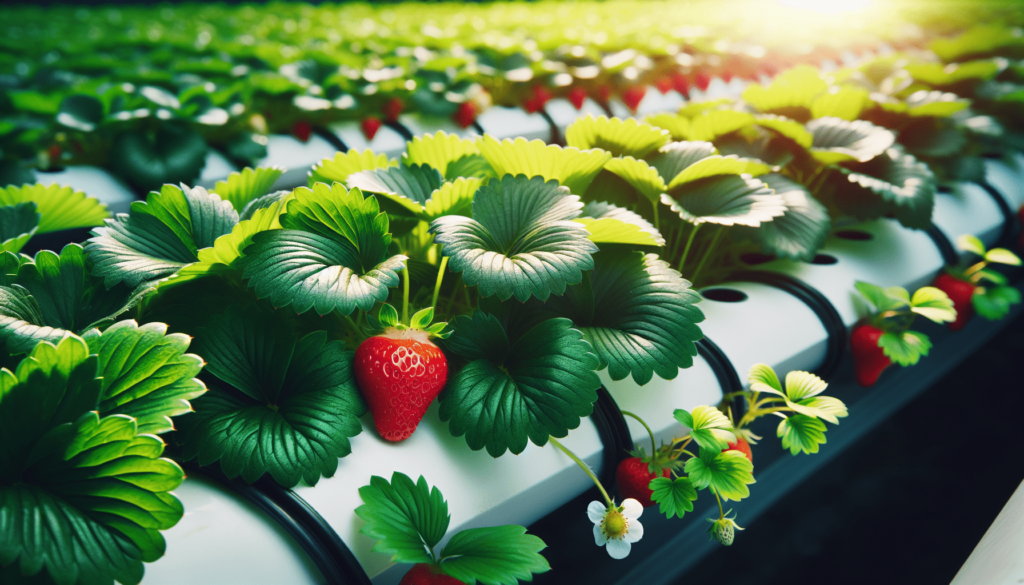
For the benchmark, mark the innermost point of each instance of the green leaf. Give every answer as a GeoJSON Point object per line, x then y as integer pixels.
{"type": "Point", "coordinates": [622, 138]}
{"type": "Point", "coordinates": [610, 224]}
{"type": "Point", "coordinates": [677, 125]}
{"type": "Point", "coordinates": [942, 75]}
{"type": "Point", "coordinates": [884, 299]}
{"type": "Point", "coordinates": [542, 386]}
{"type": "Point", "coordinates": [905, 185]}
{"type": "Point", "coordinates": [802, 395]}
{"type": "Point", "coordinates": [718, 165]}
{"type": "Point", "coordinates": [837, 140]}
{"type": "Point", "coordinates": [708, 426]}
{"type": "Point", "coordinates": [498, 555]}
{"type": "Point", "coordinates": [344, 164]}
{"type": "Point", "coordinates": [791, 93]}
{"type": "Point", "coordinates": [452, 198]}
{"type": "Point", "coordinates": [726, 472]}
{"type": "Point", "coordinates": [762, 378]}
{"type": "Point", "coordinates": [422, 318]}
{"type": "Point", "coordinates": [845, 103]}
{"type": "Point", "coordinates": [571, 167]}
{"type": "Point", "coordinates": [800, 432]}
{"type": "Point", "coordinates": [408, 186]}
{"type": "Point", "coordinates": [801, 231]}
{"type": "Point", "coordinates": [674, 497]}
{"type": "Point", "coordinates": [791, 129]}
{"type": "Point", "coordinates": [17, 224]}
{"type": "Point", "coordinates": [407, 519]}
{"type": "Point", "coordinates": [674, 158]}
{"type": "Point", "coordinates": [712, 124]}
{"type": "Point", "coordinates": [438, 151]}
{"type": "Point", "coordinates": [279, 404]}
{"type": "Point", "coordinates": [935, 103]}
{"type": "Point", "coordinates": [146, 374]}
{"type": "Point", "coordinates": [332, 254]}
{"type": "Point", "coordinates": [1002, 256]}
{"type": "Point", "coordinates": [905, 348]}
{"type": "Point", "coordinates": [637, 313]}
{"type": "Point", "coordinates": [933, 304]}
{"type": "Point", "coordinates": [641, 176]}
{"type": "Point", "coordinates": [970, 243]}
{"type": "Point", "coordinates": [995, 302]}
{"type": "Point", "coordinates": [242, 187]}
{"type": "Point", "coordinates": [987, 274]}
{"type": "Point", "coordinates": [520, 242]}
{"type": "Point", "coordinates": [61, 207]}
{"type": "Point", "coordinates": [725, 200]}
{"type": "Point", "coordinates": [173, 154]}
{"type": "Point", "coordinates": [80, 112]}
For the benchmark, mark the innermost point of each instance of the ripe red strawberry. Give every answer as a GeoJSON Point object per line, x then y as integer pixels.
{"type": "Point", "coordinates": [577, 96]}
{"type": "Point", "coordinates": [664, 85]}
{"type": "Point", "coordinates": [680, 84]}
{"type": "Point", "coordinates": [532, 105]}
{"type": "Point", "coordinates": [868, 358]}
{"type": "Point", "coordinates": [604, 93]}
{"type": "Point", "coordinates": [370, 126]}
{"type": "Point", "coordinates": [392, 109]}
{"type": "Point", "coordinates": [465, 115]}
{"type": "Point", "coordinates": [960, 292]}
{"type": "Point", "coordinates": [742, 446]}
{"type": "Point", "coordinates": [302, 130]}
{"type": "Point", "coordinates": [54, 151]}
{"type": "Point", "coordinates": [423, 574]}
{"type": "Point", "coordinates": [632, 96]}
{"type": "Point", "coordinates": [702, 80]}
{"type": "Point", "coordinates": [399, 372]}
{"type": "Point", "coordinates": [633, 476]}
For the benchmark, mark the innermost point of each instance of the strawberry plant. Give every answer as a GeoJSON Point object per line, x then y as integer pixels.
{"type": "Point", "coordinates": [410, 519]}
{"type": "Point", "coordinates": [977, 287]}
{"type": "Point", "coordinates": [884, 335]}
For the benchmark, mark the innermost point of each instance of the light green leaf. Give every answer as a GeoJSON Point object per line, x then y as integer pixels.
{"type": "Point", "coordinates": [674, 158]}
{"type": "Point", "coordinates": [941, 75]}
{"type": "Point", "coordinates": [674, 497]}
{"type": "Point", "coordinates": [678, 126]}
{"type": "Point", "coordinates": [571, 167]}
{"type": "Point", "coordinates": [845, 103]}
{"type": "Point", "coordinates": [422, 318]}
{"type": "Point", "coordinates": [599, 210]}
{"type": "Point", "coordinates": [388, 316]}
{"type": "Point", "coordinates": [995, 302]}
{"type": "Point", "coordinates": [970, 243]}
{"type": "Point", "coordinates": [837, 140]}
{"type": "Point", "coordinates": [791, 129]}
{"type": "Point", "coordinates": [408, 186]}
{"type": "Point", "coordinates": [719, 165]}
{"type": "Point", "coordinates": [725, 200]}
{"type": "Point", "coordinates": [242, 187]}
{"type": "Point", "coordinates": [726, 472]}
{"type": "Point", "coordinates": [791, 93]}
{"type": "Point", "coordinates": [520, 242]}
{"type": "Point", "coordinates": [762, 378]}
{"type": "Point", "coordinates": [714, 123]}
{"type": "Point", "coordinates": [708, 426]}
{"type": "Point", "coordinates": [641, 176]}
{"type": "Point", "coordinates": [1002, 256]}
{"type": "Point", "coordinates": [802, 390]}
{"type": "Point", "coordinates": [438, 150]}
{"type": "Point", "coordinates": [407, 519]}
{"type": "Point", "coordinates": [883, 299]}
{"type": "Point", "coordinates": [800, 432]}
{"type": "Point", "coordinates": [905, 348]}
{"type": "Point", "coordinates": [61, 208]}
{"type": "Point", "coordinates": [541, 386]}
{"type": "Point", "coordinates": [338, 169]}
{"type": "Point", "coordinates": [622, 138]}
{"type": "Point", "coordinates": [935, 103]}
{"type": "Point", "coordinates": [498, 555]}
{"type": "Point", "coordinates": [17, 224]}
{"type": "Point", "coordinates": [933, 304]}
{"type": "Point", "coordinates": [452, 198]}
{"type": "Point", "coordinates": [800, 232]}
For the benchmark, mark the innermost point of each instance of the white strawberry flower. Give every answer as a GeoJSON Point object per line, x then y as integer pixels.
{"type": "Point", "coordinates": [616, 526]}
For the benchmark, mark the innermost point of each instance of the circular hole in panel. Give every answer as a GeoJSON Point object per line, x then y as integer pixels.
{"type": "Point", "coordinates": [755, 258]}
{"type": "Point", "coordinates": [724, 295]}
{"type": "Point", "coordinates": [856, 235]}
{"type": "Point", "coordinates": [824, 259]}
{"type": "Point", "coordinates": [993, 155]}
{"type": "Point", "coordinates": [945, 189]}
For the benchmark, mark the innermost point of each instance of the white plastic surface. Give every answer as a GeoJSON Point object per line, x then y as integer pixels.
{"type": "Point", "coordinates": [1005, 175]}
{"type": "Point", "coordinates": [385, 141]}
{"type": "Point", "coordinates": [967, 209]}
{"type": "Point", "coordinates": [224, 540]}
{"type": "Point", "coordinates": [217, 168]}
{"type": "Point", "coordinates": [419, 124]}
{"type": "Point", "coordinates": [296, 157]}
{"type": "Point", "coordinates": [655, 102]}
{"type": "Point", "coordinates": [95, 182]}
{"type": "Point", "coordinates": [564, 113]}
{"type": "Point", "coordinates": [514, 122]}
{"type": "Point", "coordinates": [619, 109]}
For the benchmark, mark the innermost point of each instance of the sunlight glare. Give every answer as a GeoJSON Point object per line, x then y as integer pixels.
{"type": "Point", "coordinates": [827, 6]}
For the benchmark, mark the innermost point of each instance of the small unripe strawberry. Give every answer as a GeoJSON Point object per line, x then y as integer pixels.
{"type": "Point", "coordinates": [868, 358]}
{"type": "Point", "coordinates": [960, 292]}
{"type": "Point", "coordinates": [423, 574]}
{"type": "Point", "coordinates": [742, 446]}
{"type": "Point", "coordinates": [724, 530]}
{"type": "Point", "coordinates": [633, 476]}
{"type": "Point", "coordinates": [577, 96]}
{"type": "Point", "coordinates": [370, 126]}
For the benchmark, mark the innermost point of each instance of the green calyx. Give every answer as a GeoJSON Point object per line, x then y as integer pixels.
{"type": "Point", "coordinates": [387, 319]}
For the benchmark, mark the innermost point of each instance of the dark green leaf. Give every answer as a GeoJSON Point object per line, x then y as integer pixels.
{"type": "Point", "coordinates": [725, 200]}
{"type": "Point", "coordinates": [80, 112]}
{"type": "Point", "coordinates": [674, 497]}
{"type": "Point", "coordinates": [837, 140]}
{"type": "Point", "coordinates": [905, 348]}
{"type": "Point", "coordinates": [995, 302]}
{"type": "Point", "coordinates": [800, 432]}
{"type": "Point", "coordinates": [905, 185]}
{"type": "Point", "coordinates": [497, 555]}
{"type": "Point", "coordinates": [174, 154]}
{"type": "Point", "coordinates": [407, 518]}
{"type": "Point", "coordinates": [676, 157]}
{"type": "Point", "coordinates": [17, 224]}
{"type": "Point", "coordinates": [799, 232]}
{"type": "Point", "coordinates": [409, 186]}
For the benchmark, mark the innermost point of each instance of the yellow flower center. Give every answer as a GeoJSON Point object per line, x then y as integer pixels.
{"type": "Point", "coordinates": [615, 524]}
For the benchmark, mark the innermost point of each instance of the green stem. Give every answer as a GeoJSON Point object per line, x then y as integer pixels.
{"type": "Point", "coordinates": [654, 447]}
{"type": "Point", "coordinates": [721, 513]}
{"type": "Point", "coordinates": [585, 468]}
{"type": "Point", "coordinates": [707, 254]}
{"type": "Point", "coordinates": [440, 278]}
{"type": "Point", "coordinates": [405, 296]}
{"type": "Point", "coordinates": [686, 250]}
{"type": "Point", "coordinates": [657, 224]}
{"type": "Point", "coordinates": [754, 414]}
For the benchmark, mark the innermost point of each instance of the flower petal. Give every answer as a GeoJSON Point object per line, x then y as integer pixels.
{"type": "Point", "coordinates": [632, 509]}
{"type": "Point", "coordinates": [618, 548]}
{"type": "Point", "coordinates": [596, 510]}
{"type": "Point", "coordinates": [635, 532]}
{"type": "Point", "coordinates": [599, 537]}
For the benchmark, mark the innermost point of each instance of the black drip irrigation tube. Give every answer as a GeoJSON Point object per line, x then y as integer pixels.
{"type": "Point", "coordinates": [614, 434]}
{"type": "Point", "coordinates": [332, 138]}
{"type": "Point", "coordinates": [325, 548]}
{"type": "Point", "coordinates": [725, 373]}
{"type": "Point", "coordinates": [400, 128]}
{"type": "Point", "coordinates": [828, 315]}
{"type": "Point", "coordinates": [1009, 218]}
{"type": "Point", "coordinates": [556, 136]}
{"type": "Point", "coordinates": [945, 246]}
{"type": "Point", "coordinates": [478, 128]}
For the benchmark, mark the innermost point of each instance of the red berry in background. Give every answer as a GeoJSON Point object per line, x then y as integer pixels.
{"type": "Point", "coordinates": [392, 109]}
{"type": "Point", "coordinates": [577, 96]}
{"type": "Point", "coordinates": [702, 80]}
{"type": "Point", "coordinates": [423, 574]}
{"type": "Point", "coordinates": [727, 76]}
{"type": "Point", "coordinates": [604, 93]}
{"type": "Point", "coordinates": [465, 115]}
{"type": "Point", "coordinates": [370, 126]}
{"type": "Point", "coordinates": [960, 292]}
{"type": "Point", "coordinates": [632, 477]}
{"type": "Point", "coordinates": [680, 84]}
{"type": "Point", "coordinates": [532, 105]}
{"type": "Point", "coordinates": [302, 130]}
{"type": "Point", "coordinates": [742, 446]}
{"type": "Point", "coordinates": [400, 373]}
{"type": "Point", "coordinates": [664, 85]}
{"type": "Point", "coordinates": [868, 358]}
{"type": "Point", "coordinates": [632, 96]}
{"type": "Point", "coordinates": [54, 153]}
